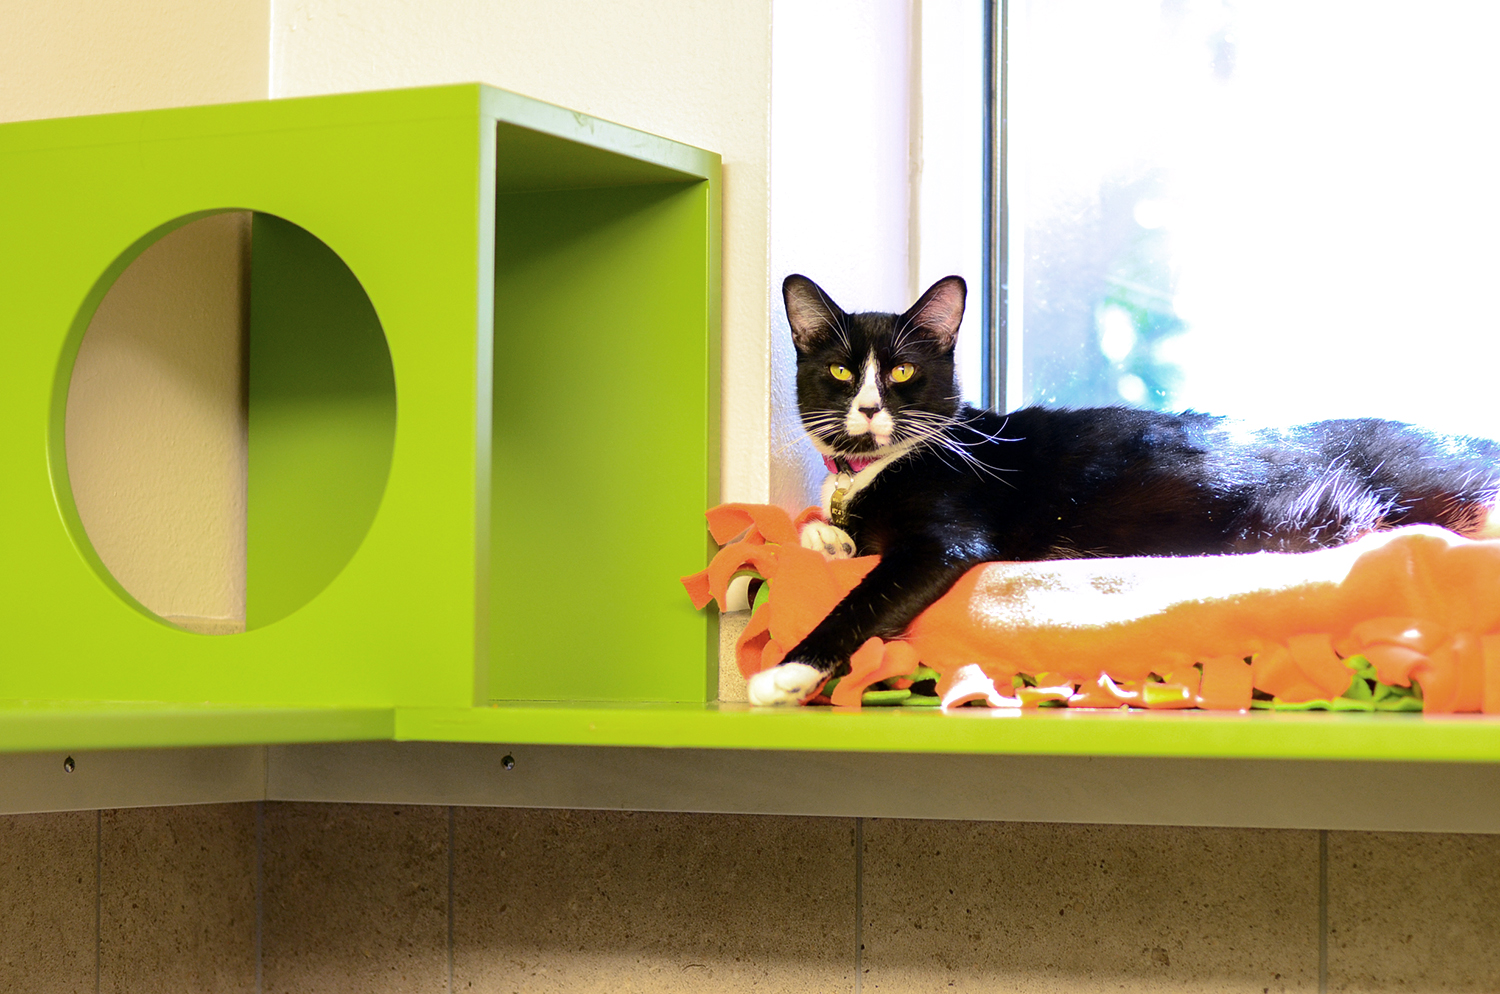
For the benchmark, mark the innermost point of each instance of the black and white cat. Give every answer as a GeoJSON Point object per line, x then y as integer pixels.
{"type": "Point", "coordinates": [934, 486]}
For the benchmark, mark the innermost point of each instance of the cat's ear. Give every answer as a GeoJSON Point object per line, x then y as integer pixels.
{"type": "Point", "coordinates": [940, 310]}
{"type": "Point", "coordinates": [811, 313]}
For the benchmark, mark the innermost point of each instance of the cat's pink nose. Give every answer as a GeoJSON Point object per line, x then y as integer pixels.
{"type": "Point", "coordinates": [869, 412]}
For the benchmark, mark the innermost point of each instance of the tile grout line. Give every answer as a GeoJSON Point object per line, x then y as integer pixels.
{"type": "Point", "coordinates": [450, 899]}
{"type": "Point", "coordinates": [260, 895]}
{"type": "Point", "coordinates": [1323, 911]}
{"type": "Point", "coordinates": [858, 904]}
{"type": "Point", "coordinates": [98, 899]}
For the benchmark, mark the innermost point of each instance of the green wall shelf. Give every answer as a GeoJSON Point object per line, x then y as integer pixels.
{"type": "Point", "coordinates": [67, 726]}
{"type": "Point", "coordinates": [440, 553]}
{"type": "Point", "coordinates": [1206, 734]}
{"type": "Point", "coordinates": [32, 726]}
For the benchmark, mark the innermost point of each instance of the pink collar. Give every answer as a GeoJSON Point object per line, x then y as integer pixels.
{"type": "Point", "coordinates": [847, 464]}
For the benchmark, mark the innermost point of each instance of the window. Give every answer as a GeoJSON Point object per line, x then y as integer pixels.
{"type": "Point", "coordinates": [1280, 211]}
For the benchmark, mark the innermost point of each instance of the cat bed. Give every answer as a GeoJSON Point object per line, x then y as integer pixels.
{"type": "Point", "coordinates": [1406, 619]}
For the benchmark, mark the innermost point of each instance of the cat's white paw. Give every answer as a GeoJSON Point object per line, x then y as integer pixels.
{"type": "Point", "coordinates": [832, 542]}
{"type": "Point", "coordinates": [788, 683]}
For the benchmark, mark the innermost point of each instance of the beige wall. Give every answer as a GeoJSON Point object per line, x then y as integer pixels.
{"type": "Point", "coordinates": [156, 425]}
{"type": "Point", "coordinates": [59, 58]}
{"type": "Point", "coordinates": [308, 898]}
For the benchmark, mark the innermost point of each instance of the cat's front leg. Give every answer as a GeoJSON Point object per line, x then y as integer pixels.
{"type": "Point", "coordinates": [900, 587]}
{"type": "Point", "coordinates": [790, 682]}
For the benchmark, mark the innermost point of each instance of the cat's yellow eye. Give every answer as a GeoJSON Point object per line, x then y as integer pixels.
{"type": "Point", "coordinates": [903, 372]}
{"type": "Point", "coordinates": [841, 372]}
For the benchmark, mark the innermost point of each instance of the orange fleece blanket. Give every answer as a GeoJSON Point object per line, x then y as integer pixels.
{"type": "Point", "coordinates": [1421, 604]}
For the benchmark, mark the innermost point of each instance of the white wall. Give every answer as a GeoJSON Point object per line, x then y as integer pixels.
{"type": "Point", "coordinates": [841, 169]}
{"type": "Point", "coordinates": [697, 71]}
{"type": "Point", "coordinates": [947, 211]}
{"type": "Point", "coordinates": [876, 175]}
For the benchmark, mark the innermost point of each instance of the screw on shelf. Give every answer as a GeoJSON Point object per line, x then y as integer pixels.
{"type": "Point", "coordinates": [68, 765]}
{"type": "Point", "coordinates": [509, 762]}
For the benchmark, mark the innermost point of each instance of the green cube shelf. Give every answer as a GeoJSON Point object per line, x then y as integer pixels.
{"type": "Point", "coordinates": [493, 506]}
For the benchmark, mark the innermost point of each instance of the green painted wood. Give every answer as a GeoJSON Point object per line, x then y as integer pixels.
{"type": "Point", "coordinates": [1257, 735]}
{"type": "Point", "coordinates": [391, 184]}
{"type": "Point", "coordinates": [537, 161]}
{"type": "Point", "coordinates": [629, 147]}
{"type": "Point", "coordinates": [600, 400]}
{"type": "Point", "coordinates": [401, 186]}
{"type": "Point", "coordinates": [37, 725]}
{"type": "Point", "coordinates": [30, 726]}
{"type": "Point", "coordinates": [322, 418]}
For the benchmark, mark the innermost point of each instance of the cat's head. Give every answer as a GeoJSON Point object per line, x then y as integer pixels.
{"type": "Point", "coordinates": [868, 382]}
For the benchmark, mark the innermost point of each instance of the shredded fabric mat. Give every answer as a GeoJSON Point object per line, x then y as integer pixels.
{"type": "Point", "coordinates": [1401, 620]}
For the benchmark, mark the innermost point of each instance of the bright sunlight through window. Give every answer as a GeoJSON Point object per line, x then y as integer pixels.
{"type": "Point", "coordinates": [1280, 210]}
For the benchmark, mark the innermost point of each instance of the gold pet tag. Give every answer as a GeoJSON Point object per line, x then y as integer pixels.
{"type": "Point", "coordinates": [836, 502]}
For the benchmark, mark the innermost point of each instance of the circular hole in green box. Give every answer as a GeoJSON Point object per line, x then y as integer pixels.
{"type": "Point", "coordinates": [228, 421]}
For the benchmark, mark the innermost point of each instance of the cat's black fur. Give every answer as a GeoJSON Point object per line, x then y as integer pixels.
{"type": "Point", "coordinates": [979, 486]}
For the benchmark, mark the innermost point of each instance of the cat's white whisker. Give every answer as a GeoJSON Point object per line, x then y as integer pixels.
{"type": "Point", "coordinates": [933, 430]}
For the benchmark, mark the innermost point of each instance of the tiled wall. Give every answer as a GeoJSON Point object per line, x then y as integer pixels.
{"type": "Point", "coordinates": [281, 897]}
